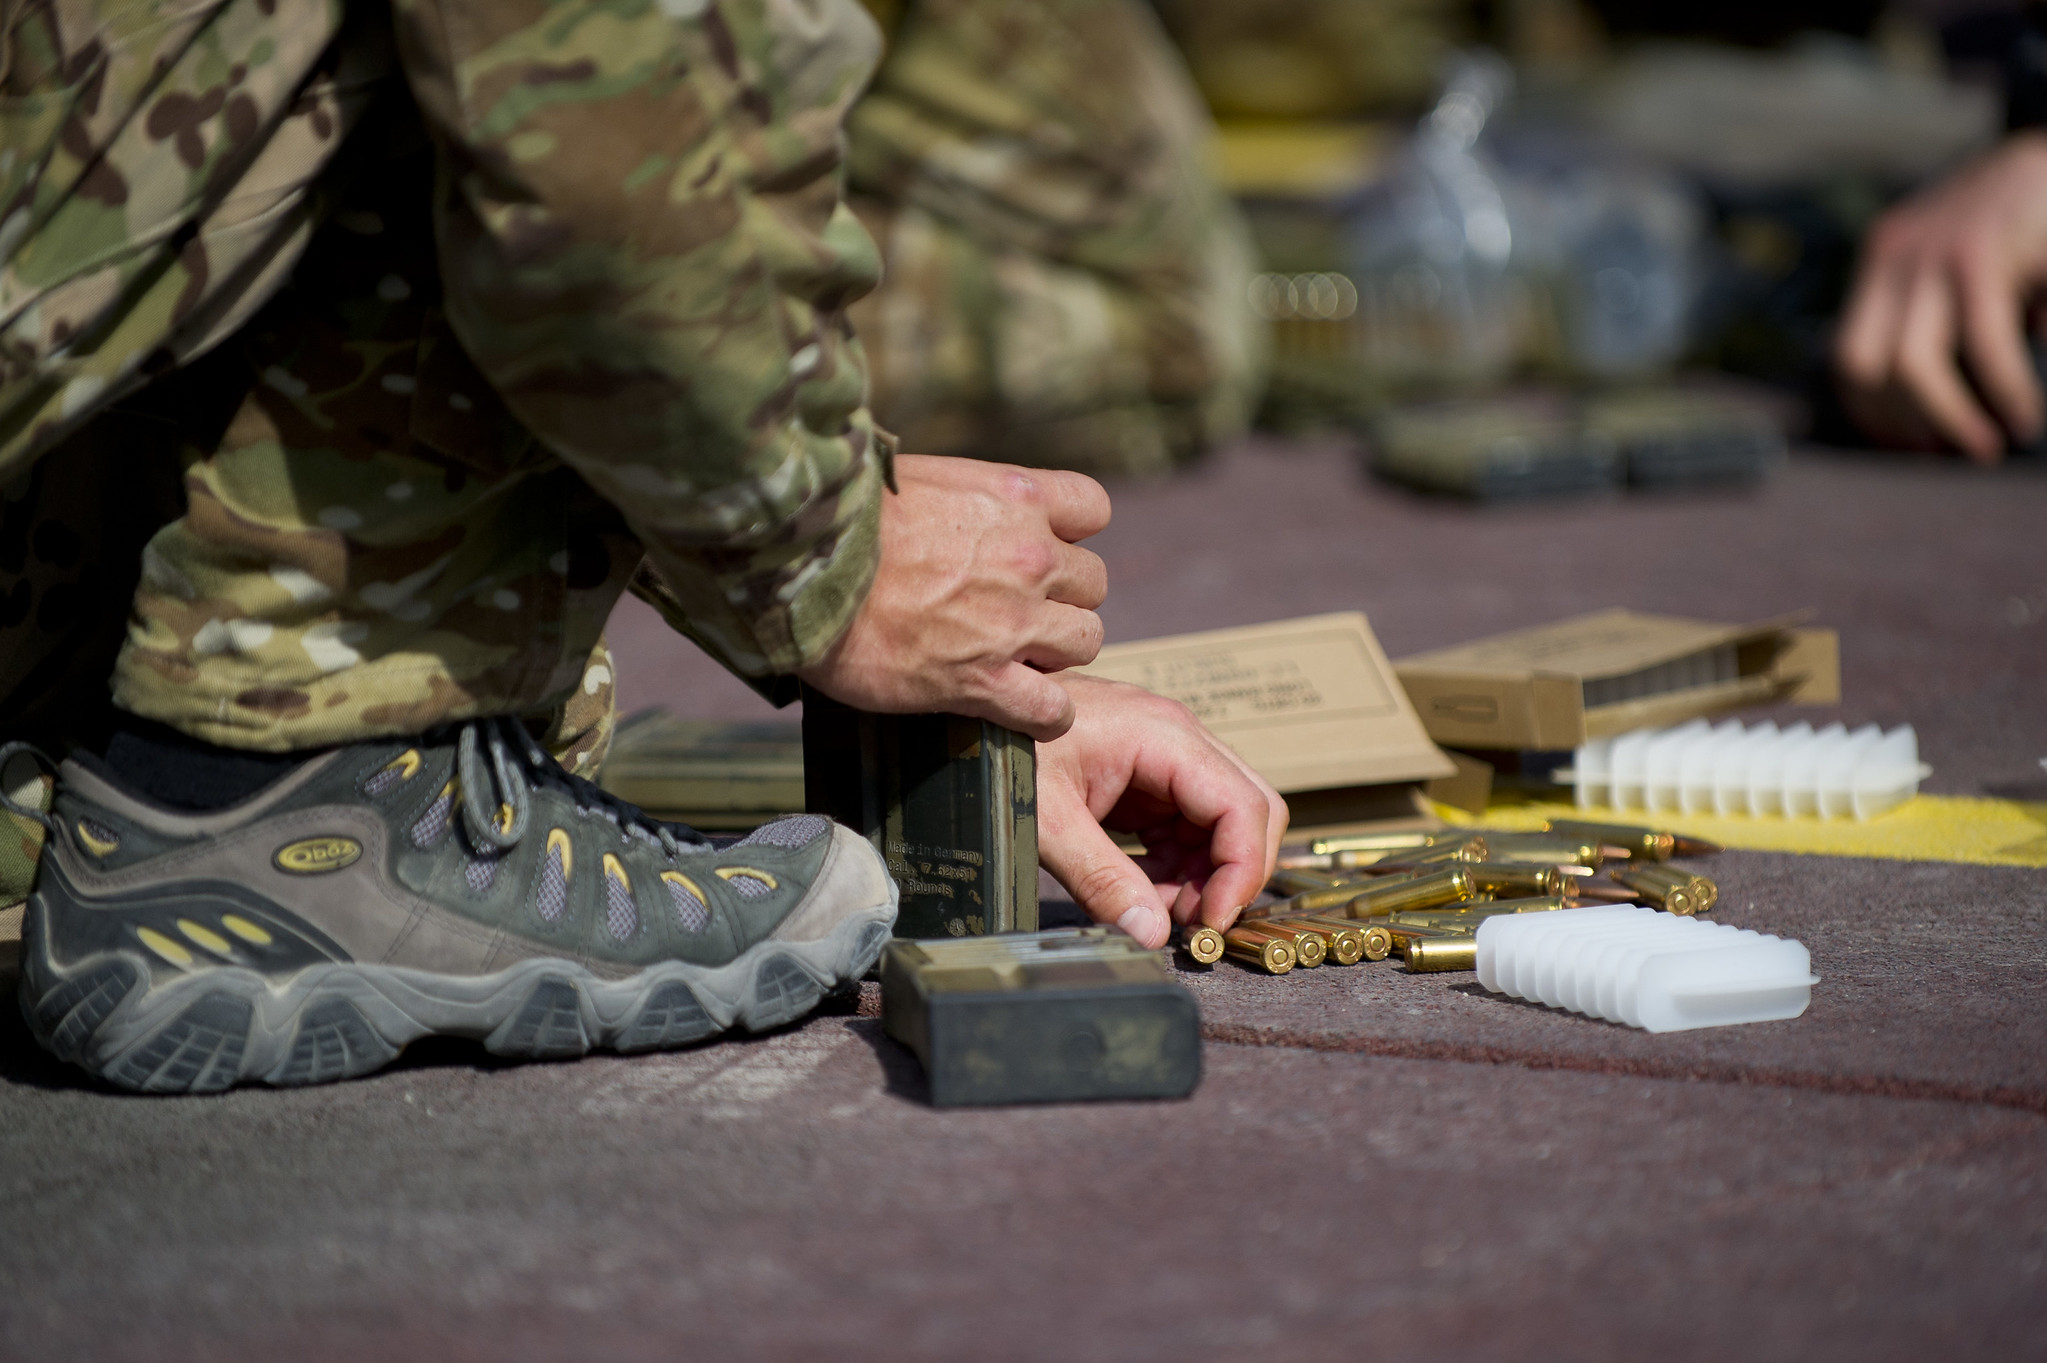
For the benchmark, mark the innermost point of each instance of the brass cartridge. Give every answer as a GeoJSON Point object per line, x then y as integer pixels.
{"type": "Point", "coordinates": [1402, 932]}
{"type": "Point", "coordinates": [1204, 944]}
{"type": "Point", "coordinates": [1375, 842]}
{"type": "Point", "coordinates": [1548, 848]}
{"type": "Point", "coordinates": [1435, 858]}
{"type": "Point", "coordinates": [1519, 878]}
{"type": "Point", "coordinates": [1704, 892]}
{"type": "Point", "coordinates": [1293, 881]}
{"type": "Point", "coordinates": [1310, 902]}
{"type": "Point", "coordinates": [1427, 955]}
{"type": "Point", "coordinates": [1422, 892]}
{"type": "Point", "coordinates": [1310, 948]}
{"type": "Point", "coordinates": [1601, 892]}
{"type": "Point", "coordinates": [1672, 897]}
{"type": "Point", "coordinates": [1346, 945]}
{"type": "Point", "coordinates": [1643, 844]}
{"type": "Point", "coordinates": [1378, 942]}
{"type": "Point", "coordinates": [1471, 913]}
{"type": "Point", "coordinates": [1274, 954]}
{"type": "Point", "coordinates": [1700, 887]}
{"type": "Point", "coordinates": [1337, 864]}
{"type": "Point", "coordinates": [1660, 874]}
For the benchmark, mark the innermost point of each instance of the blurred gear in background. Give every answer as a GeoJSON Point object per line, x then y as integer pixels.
{"type": "Point", "coordinates": [1608, 196]}
{"type": "Point", "coordinates": [1065, 282]}
{"type": "Point", "coordinates": [1292, 59]}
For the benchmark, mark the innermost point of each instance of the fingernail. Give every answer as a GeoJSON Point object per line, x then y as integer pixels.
{"type": "Point", "coordinates": [1143, 922]}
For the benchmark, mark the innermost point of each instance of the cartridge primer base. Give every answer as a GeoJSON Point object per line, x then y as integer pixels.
{"type": "Point", "coordinates": [1058, 1016]}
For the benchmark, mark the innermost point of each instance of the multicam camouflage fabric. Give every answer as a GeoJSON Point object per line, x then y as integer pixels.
{"type": "Point", "coordinates": [156, 167]}
{"type": "Point", "coordinates": [601, 262]}
{"type": "Point", "coordinates": [579, 294]}
{"type": "Point", "coordinates": [1066, 285]}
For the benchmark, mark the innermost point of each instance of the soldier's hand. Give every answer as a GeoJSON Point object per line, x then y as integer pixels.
{"type": "Point", "coordinates": [980, 592]}
{"type": "Point", "coordinates": [1949, 273]}
{"type": "Point", "coordinates": [1141, 764]}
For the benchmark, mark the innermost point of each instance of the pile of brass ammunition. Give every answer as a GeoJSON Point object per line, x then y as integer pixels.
{"type": "Point", "coordinates": [1344, 900]}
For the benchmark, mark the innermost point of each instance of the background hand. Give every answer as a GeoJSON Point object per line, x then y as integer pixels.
{"type": "Point", "coordinates": [1138, 763]}
{"type": "Point", "coordinates": [1950, 272]}
{"type": "Point", "coordinates": [980, 592]}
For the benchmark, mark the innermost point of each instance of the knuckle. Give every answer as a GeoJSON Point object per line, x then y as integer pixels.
{"type": "Point", "coordinates": [1032, 559]}
{"type": "Point", "coordinates": [1169, 711]}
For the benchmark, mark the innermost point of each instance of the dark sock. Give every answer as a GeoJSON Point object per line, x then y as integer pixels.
{"type": "Point", "coordinates": [182, 772]}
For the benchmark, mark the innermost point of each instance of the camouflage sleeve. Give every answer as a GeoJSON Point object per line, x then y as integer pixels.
{"type": "Point", "coordinates": [644, 247]}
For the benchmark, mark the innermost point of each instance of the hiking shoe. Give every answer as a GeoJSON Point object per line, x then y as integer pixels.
{"type": "Point", "coordinates": [388, 891]}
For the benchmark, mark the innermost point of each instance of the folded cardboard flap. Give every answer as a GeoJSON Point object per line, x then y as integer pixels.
{"type": "Point", "coordinates": [1553, 686]}
{"type": "Point", "coordinates": [1311, 704]}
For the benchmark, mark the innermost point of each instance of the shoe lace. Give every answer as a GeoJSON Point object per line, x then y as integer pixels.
{"type": "Point", "coordinates": [498, 756]}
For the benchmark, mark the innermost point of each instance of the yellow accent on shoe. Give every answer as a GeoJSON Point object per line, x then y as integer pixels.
{"type": "Point", "coordinates": [163, 946]}
{"type": "Point", "coordinates": [504, 819]}
{"type": "Point", "coordinates": [613, 868]}
{"type": "Point", "coordinates": [406, 764]}
{"type": "Point", "coordinates": [558, 839]}
{"type": "Point", "coordinates": [99, 847]}
{"type": "Point", "coordinates": [205, 937]}
{"type": "Point", "coordinates": [687, 884]}
{"type": "Point", "coordinates": [244, 929]}
{"type": "Point", "coordinates": [727, 872]}
{"type": "Point", "coordinates": [317, 856]}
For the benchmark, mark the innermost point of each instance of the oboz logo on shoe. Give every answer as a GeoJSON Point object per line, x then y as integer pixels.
{"type": "Point", "coordinates": [311, 856]}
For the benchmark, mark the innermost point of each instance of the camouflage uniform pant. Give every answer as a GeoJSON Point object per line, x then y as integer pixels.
{"type": "Point", "coordinates": [72, 554]}
{"type": "Point", "coordinates": [1064, 283]}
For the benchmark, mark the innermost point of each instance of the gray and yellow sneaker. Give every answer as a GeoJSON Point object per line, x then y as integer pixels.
{"type": "Point", "coordinates": [388, 891]}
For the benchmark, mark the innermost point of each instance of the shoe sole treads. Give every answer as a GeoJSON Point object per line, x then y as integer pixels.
{"type": "Point", "coordinates": [204, 1032]}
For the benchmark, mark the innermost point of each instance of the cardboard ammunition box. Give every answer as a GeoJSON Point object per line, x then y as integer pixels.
{"type": "Point", "coordinates": [1059, 1016]}
{"type": "Point", "coordinates": [1554, 686]}
{"type": "Point", "coordinates": [951, 803]}
{"type": "Point", "coordinates": [1311, 704]}
{"type": "Point", "coordinates": [711, 774]}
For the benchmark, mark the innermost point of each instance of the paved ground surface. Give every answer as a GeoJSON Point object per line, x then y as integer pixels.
{"type": "Point", "coordinates": [1374, 1165]}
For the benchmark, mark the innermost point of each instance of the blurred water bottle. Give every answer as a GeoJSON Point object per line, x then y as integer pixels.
{"type": "Point", "coordinates": [1481, 252]}
{"type": "Point", "coordinates": [1432, 245]}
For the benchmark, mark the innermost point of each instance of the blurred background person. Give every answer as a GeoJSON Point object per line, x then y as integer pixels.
{"type": "Point", "coordinates": [1936, 342]}
{"type": "Point", "coordinates": [1064, 281]}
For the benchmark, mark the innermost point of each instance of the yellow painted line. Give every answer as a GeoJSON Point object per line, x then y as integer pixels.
{"type": "Point", "coordinates": [1963, 828]}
